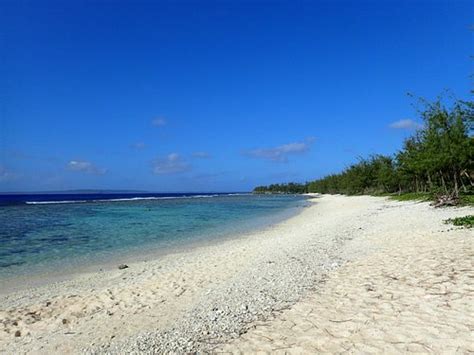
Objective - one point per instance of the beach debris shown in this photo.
(34, 317)
(445, 200)
(370, 287)
(122, 266)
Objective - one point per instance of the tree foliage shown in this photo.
(438, 158)
(290, 188)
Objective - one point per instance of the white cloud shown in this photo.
(158, 122)
(281, 153)
(202, 155)
(85, 167)
(405, 124)
(171, 164)
(138, 145)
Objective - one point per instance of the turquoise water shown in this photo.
(42, 237)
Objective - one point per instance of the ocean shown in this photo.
(43, 233)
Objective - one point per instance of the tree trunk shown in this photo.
(456, 187)
(465, 173)
(443, 182)
(430, 183)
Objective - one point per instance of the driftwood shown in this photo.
(446, 200)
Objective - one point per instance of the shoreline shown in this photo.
(35, 277)
(413, 293)
(205, 297)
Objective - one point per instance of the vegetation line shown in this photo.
(438, 160)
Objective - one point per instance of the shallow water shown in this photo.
(37, 238)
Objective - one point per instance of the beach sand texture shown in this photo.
(417, 295)
(348, 273)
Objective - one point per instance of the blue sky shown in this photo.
(216, 96)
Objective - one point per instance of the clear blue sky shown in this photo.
(216, 96)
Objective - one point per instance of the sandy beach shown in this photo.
(357, 274)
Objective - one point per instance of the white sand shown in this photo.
(406, 284)
(413, 293)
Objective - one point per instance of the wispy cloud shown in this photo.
(171, 164)
(202, 155)
(138, 145)
(85, 167)
(281, 152)
(405, 124)
(158, 122)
